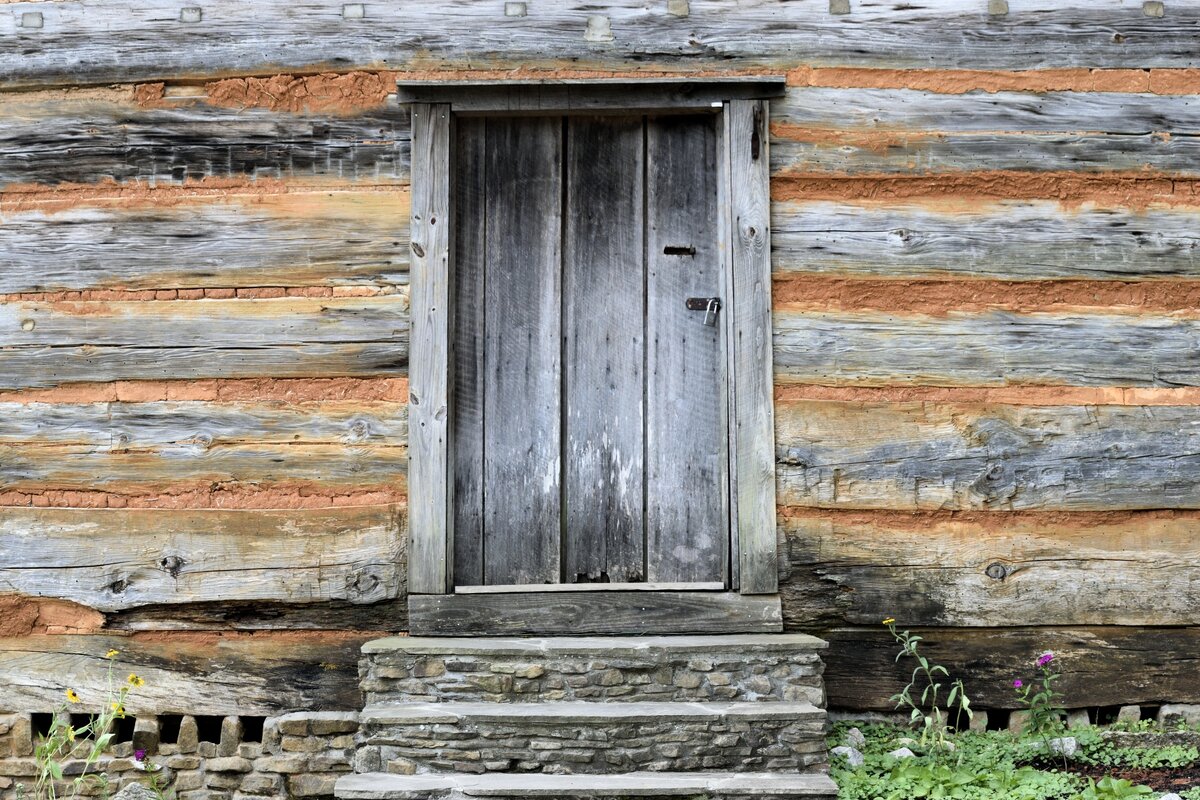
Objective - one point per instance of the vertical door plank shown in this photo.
(603, 288)
(522, 454)
(686, 443)
(466, 441)
(751, 307)
(428, 418)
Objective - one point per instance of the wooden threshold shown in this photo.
(593, 613)
(591, 587)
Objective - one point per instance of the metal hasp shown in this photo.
(711, 306)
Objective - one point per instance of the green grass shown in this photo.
(993, 765)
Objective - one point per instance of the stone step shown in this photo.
(586, 737)
(631, 786)
(751, 667)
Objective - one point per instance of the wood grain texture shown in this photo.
(899, 130)
(687, 525)
(1008, 240)
(1001, 571)
(599, 613)
(986, 349)
(98, 42)
(469, 340)
(111, 560)
(752, 348)
(184, 674)
(979, 457)
(65, 140)
(306, 239)
(1102, 666)
(144, 445)
(430, 563)
(46, 344)
(522, 465)
(604, 334)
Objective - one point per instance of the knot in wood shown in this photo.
(996, 571)
(418, 249)
(172, 565)
(118, 586)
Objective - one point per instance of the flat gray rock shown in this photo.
(852, 756)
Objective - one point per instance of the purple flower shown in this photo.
(139, 755)
(1017, 684)
(1045, 658)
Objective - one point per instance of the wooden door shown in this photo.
(589, 423)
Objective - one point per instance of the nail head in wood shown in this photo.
(1153, 8)
(839, 7)
(678, 8)
(515, 10)
(354, 11)
(191, 14)
(599, 29)
(32, 19)
(997, 8)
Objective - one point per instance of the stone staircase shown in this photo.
(700, 717)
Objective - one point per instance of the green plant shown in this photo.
(1041, 699)
(927, 712)
(1109, 788)
(85, 744)
(1097, 750)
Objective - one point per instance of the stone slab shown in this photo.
(379, 786)
(584, 712)
(606, 646)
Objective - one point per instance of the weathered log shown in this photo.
(978, 457)
(46, 344)
(96, 42)
(991, 569)
(294, 239)
(118, 559)
(899, 130)
(64, 140)
(1101, 666)
(187, 673)
(986, 349)
(1017, 240)
(264, 615)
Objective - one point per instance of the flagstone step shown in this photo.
(750, 667)
(630, 786)
(588, 737)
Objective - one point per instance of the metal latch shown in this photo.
(711, 306)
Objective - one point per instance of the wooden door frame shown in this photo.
(744, 242)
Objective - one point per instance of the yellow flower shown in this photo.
(72, 696)
(134, 680)
(112, 653)
(889, 621)
(118, 710)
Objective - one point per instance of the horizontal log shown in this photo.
(991, 570)
(1008, 240)
(898, 130)
(1101, 666)
(45, 344)
(66, 140)
(110, 560)
(120, 427)
(986, 349)
(264, 615)
(93, 41)
(303, 239)
(187, 674)
(334, 468)
(976, 457)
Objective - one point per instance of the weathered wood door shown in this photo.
(589, 407)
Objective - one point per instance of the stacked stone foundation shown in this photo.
(300, 755)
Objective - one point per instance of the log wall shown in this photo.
(987, 274)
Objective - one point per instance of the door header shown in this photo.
(583, 96)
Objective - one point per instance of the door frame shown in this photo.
(744, 242)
